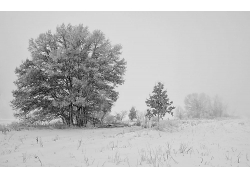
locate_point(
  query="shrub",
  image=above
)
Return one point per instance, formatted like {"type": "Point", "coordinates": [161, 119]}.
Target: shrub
{"type": "Point", "coordinates": [109, 119]}
{"type": "Point", "coordinates": [59, 125]}
{"type": "Point", "coordinates": [4, 129]}
{"type": "Point", "coordinates": [138, 123]}
{"type": "Point", "coordinates": [167, 126]}
{"type": "Point", "coordinates": [18, 126]}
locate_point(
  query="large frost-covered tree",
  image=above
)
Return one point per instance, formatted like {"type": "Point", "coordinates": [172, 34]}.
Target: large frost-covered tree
{"type": "Point", "coordinates": [72, 75]}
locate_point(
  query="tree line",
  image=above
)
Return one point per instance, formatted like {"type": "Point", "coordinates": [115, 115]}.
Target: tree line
{"type": "Point", "coordinates": [201, 106]}
{"type": "Point", "coordinates": [197, 106]}
{"type": "Point", "coordinates": [72, 75]}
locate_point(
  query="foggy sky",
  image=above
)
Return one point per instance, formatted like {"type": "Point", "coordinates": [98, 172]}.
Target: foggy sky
{"type": "Point", "coordinates": [190, 52]}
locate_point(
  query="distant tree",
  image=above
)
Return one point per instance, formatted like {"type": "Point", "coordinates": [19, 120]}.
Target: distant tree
{"type": "Point", "coordinates": [132, 113]}
{"type": "Point", "coordinates": [205, 104]}
{"type": "Point", "coordinates": [141, 116]}
{"type": "Point", "coordinates": [195, 105]}
{"type": "Point", "coordinates": [159, 102]}
{"type": "Point", "coordinates": [109, 118]}
{"type": "Point", "coordinates": [120, 116]}
{"type": "Point", "coordinates": [179, 112]}
{"type": "Point", "coordinates": [117, 117]}
{"type": "Point", "coordinates": [72, 75]}
{"type": "Point", "coordinates": [202, 106]}
{"type": "Point", "coordinates": [123, 114]}
{"type": "Point", "coordinates": [192, 105]}
{"type": "Point", "coordinates": [218, 108]}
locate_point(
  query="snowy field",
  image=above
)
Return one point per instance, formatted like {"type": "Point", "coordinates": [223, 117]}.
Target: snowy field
{"type": "Point", "coordinates": [186, 143]}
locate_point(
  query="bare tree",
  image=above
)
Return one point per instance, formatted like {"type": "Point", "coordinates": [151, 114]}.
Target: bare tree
{"type": "Point", "coordinates": [202, 106]}
{"type": "Point", "coordinates": [140, 115]}
{"type": "Point", "coordinates": [218, 108]}
{"type": "Point", "coordinates": [117, 117]}
{"type": "Point", "coordinates": [205, 106]}
{"type": "Point", "coordinates": [120, 116]}
{"type": "Point", "coordinates": [123, 114]}
{"type": "Point", "coordinates": [192, 105]}
{"type": "Point", "coordinates": [179, 112]}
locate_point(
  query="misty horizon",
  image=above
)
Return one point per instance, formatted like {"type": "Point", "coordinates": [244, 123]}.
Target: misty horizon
{"type": "Point", "coordinates": [189, 52]}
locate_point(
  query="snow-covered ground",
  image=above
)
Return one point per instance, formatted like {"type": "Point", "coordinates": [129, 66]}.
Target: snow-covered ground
{"type": "Point", "coordinates": [7, 121]}
{"type": "Point", "coordinates": [192, 143]}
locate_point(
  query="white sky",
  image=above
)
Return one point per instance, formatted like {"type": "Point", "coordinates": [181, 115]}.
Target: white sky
{"type": "Point", "coordinates": [188, 51]}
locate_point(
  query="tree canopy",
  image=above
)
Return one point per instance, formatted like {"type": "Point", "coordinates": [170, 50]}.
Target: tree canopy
{"type": "Point", "coordinates": [72, 75]}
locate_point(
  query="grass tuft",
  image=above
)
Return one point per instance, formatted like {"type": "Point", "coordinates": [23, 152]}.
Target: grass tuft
{"type": "Point", "coordinates": [167, 126]}
{"type": "Point", "coordinates": [79, 144]}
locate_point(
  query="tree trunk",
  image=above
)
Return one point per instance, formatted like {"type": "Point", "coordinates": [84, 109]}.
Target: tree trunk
{"type": "Point", "coordinates": [104, 113]}
{"type": "Point", "coordinates": [71, 114]}
{"type": "Point", "coordinates": [158, 123]}
{"type": "Point", "coordinates": [84, 117]}
{"type": "Point", "coordinates": [65, 119]}
{"type": "Point", "coordinates": [78, 116]}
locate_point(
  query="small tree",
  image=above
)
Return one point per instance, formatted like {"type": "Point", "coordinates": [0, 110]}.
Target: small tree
{"type": "Point", "coordinates": [123, 114]}
{"type": "Point", "coordinates": [132, 114]}
{"type": "Point", "coordinates": [159, 102]}
{"type": "Point", "coordinates": [117, 117]}
{"type": "Point", "coordinates": [149, 114]}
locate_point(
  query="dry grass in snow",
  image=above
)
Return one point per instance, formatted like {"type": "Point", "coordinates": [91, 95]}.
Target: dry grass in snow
{"type": "Point", "coordinates": [177, 143]}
